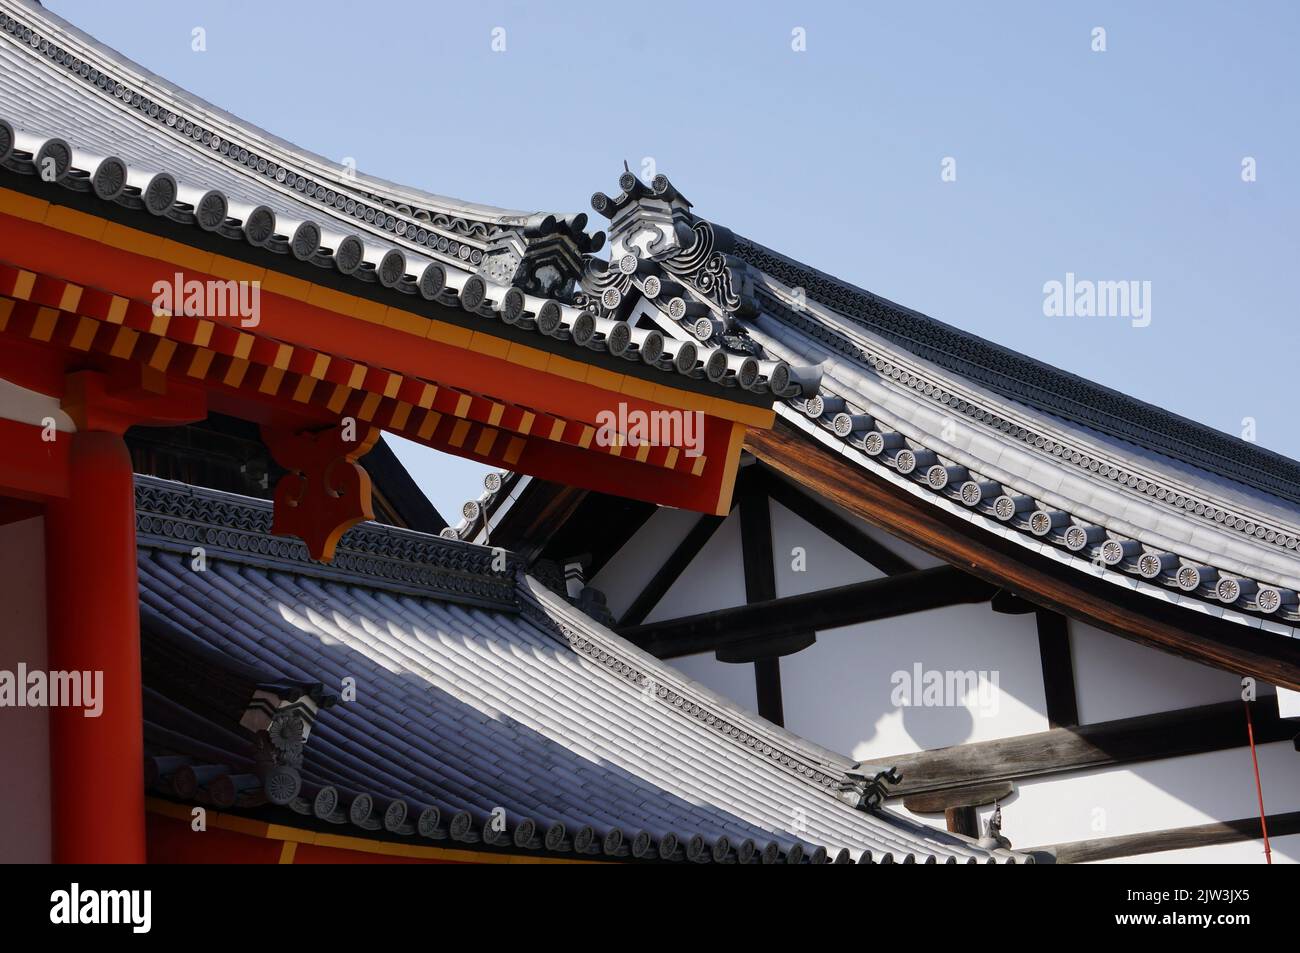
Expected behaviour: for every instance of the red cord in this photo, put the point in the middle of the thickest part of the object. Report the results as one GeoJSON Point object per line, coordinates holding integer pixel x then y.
{"type": "Point", "coordinates": [1259, 789]}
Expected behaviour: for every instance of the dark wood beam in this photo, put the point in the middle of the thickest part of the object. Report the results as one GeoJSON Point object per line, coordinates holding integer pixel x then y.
{"type": "Point", "coordinates": [767, 688]}
{"type": "Point", "coordinates": [962, 820]}
{"type": "Point", "coordinates": [1168, 734]}
{"type": "Point", "coordinates": [760, 584]}
{"type": "Point", "coordinates": [976, 795]}
{"type": "Point", "coordinates": [672, 568]}
{"type": "Point", "coordinates": [1052, 585]}
{"type": "Point", "coordinates": [1174, 838]}
{"type": "Point", "coordinates": [828, 609]}
{"type": "Point", "coordinates": [832, 524]}
{"type": "Point", "coordinates": [1058, 669]}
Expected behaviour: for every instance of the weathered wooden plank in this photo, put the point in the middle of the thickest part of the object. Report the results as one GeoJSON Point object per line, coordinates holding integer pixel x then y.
{"type": "Point", "coordinates": [1176, 838]}
{"type": "Point", "coordinates": [1143, 738]}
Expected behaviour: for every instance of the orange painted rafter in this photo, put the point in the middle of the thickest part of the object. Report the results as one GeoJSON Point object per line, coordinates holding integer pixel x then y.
{"type": "Point", "coordinates": [235, 385]}
{"type": "Point", "coordinates": [129, 330]}
{"type": "Point", "coordinates": [44, 238]}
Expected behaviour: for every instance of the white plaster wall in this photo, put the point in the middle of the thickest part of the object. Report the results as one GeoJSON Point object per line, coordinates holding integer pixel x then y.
{"type": "Point", "coordinates": [825, 563]}
{"type": "Point", "coordinates": [839, 692]}
{"type": "Point", "coordinates": [24, 732]}
{"type": "Point", "coordinates": [1155, 795]}
{"type": "Point", "coordinates": [715, 579]}
{"type": "Point", "coordinates": [735, 680]}
{"type": "Point", "coordinates": [626, 573]}
{"type": "Point", "coordinates": [1116, 678]}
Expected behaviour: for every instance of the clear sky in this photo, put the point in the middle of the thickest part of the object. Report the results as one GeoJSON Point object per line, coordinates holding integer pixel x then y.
{"type": "Point", "coordinates": [1117, 165]}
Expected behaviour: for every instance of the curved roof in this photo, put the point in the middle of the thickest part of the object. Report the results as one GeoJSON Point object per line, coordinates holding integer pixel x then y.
{"type": "Point", "coordinates": [479, 690]}
{"type": "Point", "coordinates": [1112, 486]}
{"type": "Point", "coordinates": [114, 130]}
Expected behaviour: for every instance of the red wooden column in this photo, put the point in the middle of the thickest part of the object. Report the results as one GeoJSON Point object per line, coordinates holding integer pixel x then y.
{"type": "Point", "coordinates": [93, 618]}
{"type": "Point", "coordinates": [93, 625]}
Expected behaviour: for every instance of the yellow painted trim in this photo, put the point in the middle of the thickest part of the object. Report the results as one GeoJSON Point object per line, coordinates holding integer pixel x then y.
{"type": "Point", "coordinates": [124, 343]}
{"type": "Point", "coordinates": [287, 851]}
{"type": "Point", "coordinates": [527, 356]}
{"type": "Point", "coordinates": [287, 285]}
{"type": "Point", "coordinates": [117, 310]}
{"type": "Point", "coordinates": [448, 334]}
{"type": "Point", "coordinates": [71, 297]}
{"type": "Point", "coordinates": [494, 416]}
{"type": "Point", "coordinates": [483, 446]}
{"type": "Point", "coordinates": [459, 433]}
{"type": "Point", "coordinates": [235, 373]}
{"type": "Point", "coordinates": [201, 362]}
{"type": "Point", "coordinates": [338, 398]}
{"type": "Point", "coordinates": [635, 387]}
{"type": "Point", "coordinates": [203, 333]}
{"type": "Point", "coordinates": [357, 377]}
{"type": "Point", "coordinates": [283, 355]}
{"type": "Point", "coordinates": [306, 387]}
{"type": "Point", "coordinates": [162, 354]}
{"type": "Point", "coordinates": [463, 405]}
{"type": "Point", "coordinates": [158, 325]}
{"type": "Point", "coordinates": [526, 422]}
{"type": "Point", "coordinates": [85, 334]}
{"type": "Point", "coordinates": [406, 322]}
{"type": "Point", "coordinates": [670, 461]}
{"type": "Point", "coordinates": [730, 468]}
{"type": "Point", "coordinates": [557, 430]}
{"type": "Point", "coordinates": [430, 423]}
{"type": "Point", "coordinates": [78, 223]}
{"type": "Point", "coordinates": [427, 396]}
{"type": "Point", "coordinates": [23, 206]}
{"type": "Point", "coordinates": [564, 367]}
{"type": "Point", "coordinates": [514, 449]}
{"type": "Point", "coordinates": [271, 378]}
{"type": "Point", "coordinates": [584, 441]}
{"type": "Point", "coordinates": [223, 267]}
{"type": "Point", "coordinates": [43, 326]}
{"type": "Point", "coordinates": [244, 346]}
{"type": "Point", "coordinates": [401, 413]}
{"type": "Point", "coordinates": [369, 404]}
{"type": "Point", "coordinates": [393, 385]}
{"type": "Point", "coordinates": [606, 380]}
{"type": "Point", "coordinates": [319, 366]}
{"type": "Point", "coordinates": [489, 344]}
{"type": "Point", "coordinates": [23, 284]}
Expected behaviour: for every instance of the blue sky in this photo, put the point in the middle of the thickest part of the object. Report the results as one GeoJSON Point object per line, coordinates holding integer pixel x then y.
{"type": "Point", "coordinates": [1116, 165]}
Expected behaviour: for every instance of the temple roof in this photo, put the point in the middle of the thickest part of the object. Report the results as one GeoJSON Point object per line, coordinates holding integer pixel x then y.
{"type": "Point", "coordinates": [1127, 492]}
{"type": "Point", "coordinates": [111, 130]}
{"type": "Point", "coordinates": [477, 689]}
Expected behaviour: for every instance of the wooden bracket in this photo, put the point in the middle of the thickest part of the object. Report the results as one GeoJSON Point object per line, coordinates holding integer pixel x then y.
{"type": "Point", "coordinates": [326, 492]}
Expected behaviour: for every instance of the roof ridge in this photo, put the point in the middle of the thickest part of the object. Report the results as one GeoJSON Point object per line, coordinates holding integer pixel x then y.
{"type": "Point", "coordinates": [189, 519]}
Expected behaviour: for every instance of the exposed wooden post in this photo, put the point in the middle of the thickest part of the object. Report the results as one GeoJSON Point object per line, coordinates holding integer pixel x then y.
{"type": "Point", "coordinates": [760, 586]}
{"type": "Point", "coordinates": [1058, 669]}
